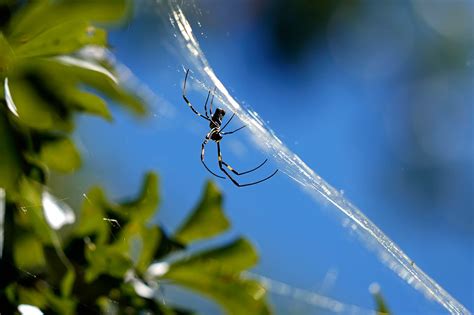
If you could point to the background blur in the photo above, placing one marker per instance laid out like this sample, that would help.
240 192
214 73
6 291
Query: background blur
376 97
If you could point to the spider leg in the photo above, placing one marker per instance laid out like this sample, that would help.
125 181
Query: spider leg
230 168
231 132
188 102
202 157
233 114
205 104
212 101
219 156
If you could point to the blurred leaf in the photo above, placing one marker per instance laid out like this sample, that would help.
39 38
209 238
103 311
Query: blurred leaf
60 155
87 102
104 84
34 110
31 204
63 75
151 238
62 39
91 218
207 220
10 166
68 282
41 16
381 306
233 257
99 218
145 205
30 297
216 273
109 260
58 80
6 55
41 296
28 251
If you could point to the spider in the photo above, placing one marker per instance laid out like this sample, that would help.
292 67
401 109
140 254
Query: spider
216 134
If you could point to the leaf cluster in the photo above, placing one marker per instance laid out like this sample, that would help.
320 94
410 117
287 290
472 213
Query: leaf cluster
112 260
46 79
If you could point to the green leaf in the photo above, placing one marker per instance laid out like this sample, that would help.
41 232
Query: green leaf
6 55
381 305
151 238
59 81
144 206
10 167
60 155
61 76
109 260
233 257
31 204
87 102
68 282
43 297
28 251
30 297
207 220
92 213
216 273
103 83
34 109
41 16
62 39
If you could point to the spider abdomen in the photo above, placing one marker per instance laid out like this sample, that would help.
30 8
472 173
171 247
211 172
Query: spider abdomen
216 136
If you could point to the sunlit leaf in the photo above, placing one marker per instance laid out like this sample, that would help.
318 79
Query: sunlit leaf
144 206
28 252
37 18
87 102
102 83
151 238
26 309
34 110
207 220
31 207
92 214
216 273
59 81
65 74
233 257
62 39
60 155
107 260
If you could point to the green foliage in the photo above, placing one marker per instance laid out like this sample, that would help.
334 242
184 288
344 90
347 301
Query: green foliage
45 82
208 210
103 261
111 249
381 305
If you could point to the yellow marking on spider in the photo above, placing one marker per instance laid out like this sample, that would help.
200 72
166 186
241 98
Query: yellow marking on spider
230 168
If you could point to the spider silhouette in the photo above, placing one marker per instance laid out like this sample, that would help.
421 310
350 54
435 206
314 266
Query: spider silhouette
216 134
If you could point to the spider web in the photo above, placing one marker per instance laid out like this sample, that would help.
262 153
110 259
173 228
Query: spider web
389 253
291 165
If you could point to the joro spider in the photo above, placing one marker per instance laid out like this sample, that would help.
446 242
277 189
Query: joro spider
216 134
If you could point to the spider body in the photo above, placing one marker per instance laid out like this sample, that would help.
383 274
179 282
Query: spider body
216 134
217 117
